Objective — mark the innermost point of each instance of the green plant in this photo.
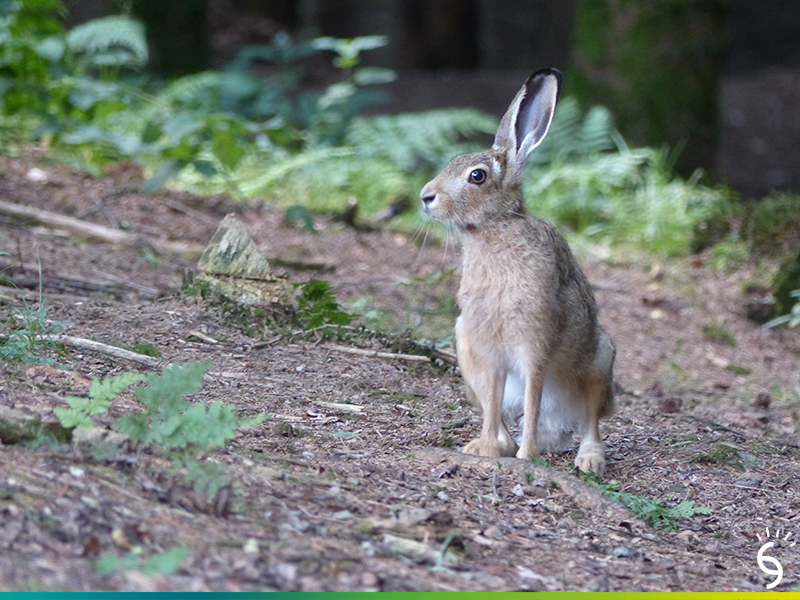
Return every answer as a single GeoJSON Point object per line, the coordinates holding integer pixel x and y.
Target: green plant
{"type": "Point", "coordinates": [30, 332]}
{"type": "Point", "coordinates": [147, 349]}
{"type": "Point", "coordinates": [653, 511]}
{"type": "Point", "coordinates": [718, 333]}
{"type": "Point", "coordinates": [101, 393]}
{"type": "Point", "coordinates": [169, 423]}
{"type": "Point", "coordinates": [792, 319]}
{"type": "Point", "coordinates": [317, 305]}
{"type": "Point", "coordinates": [728, 256]}
{"type": "Point", "coordinates": [164, 563]}
{"type": "Point", "coordinates": [720, 454]}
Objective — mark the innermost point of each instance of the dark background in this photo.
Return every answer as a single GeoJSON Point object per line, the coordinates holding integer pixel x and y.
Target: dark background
{"type": "Point", "coordinates": [716, 80]}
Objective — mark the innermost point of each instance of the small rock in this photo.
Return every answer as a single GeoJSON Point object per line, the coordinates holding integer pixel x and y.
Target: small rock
{"type": "Point", "coordinates": [518, 490]}
{"type": "Point", "coordinates": [443, 497]}
{"type": "Point", "coordinates": [419, 552]}
{"type": "Point", "coordinates": [370, 580]}
{"type": "Point", "coordinates": [36, 175]}
{"type": "Point", "coordinates": [251, 547]}
{"type": "Point", "coordinates": [442, 518]}
{"type": "Point", "coordinates": [552, 507]}
{"type": "Point", "coordinates": [413, 515]}
{"type": "Point", "coordinates": [622, 552]}
{"type": "Point", "coordinates": [286, 571]}
{"type": "Point", "coordinates": [670, 405]}
{"type": "Point", "coordinates": [763, 400]}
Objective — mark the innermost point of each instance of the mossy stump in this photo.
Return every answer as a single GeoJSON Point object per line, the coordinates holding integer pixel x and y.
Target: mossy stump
{"type": "Point", "coordinates": [234, 267]}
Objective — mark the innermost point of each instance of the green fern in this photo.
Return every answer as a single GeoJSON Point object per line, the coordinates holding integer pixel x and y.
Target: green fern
{"type": "Point", "coordinates": [651, 510]}
{"type": "Point", "coordinates": [573, 137]}
{"type": "Point", "coordinates": [317, 305]}
{"type": "Point", "coordinates": [113, 41]}
{"type": "Point", "coordinates": [191, 90]}
{"type": "Point", "coordinates": [102, 392]}
{"type": "Point", "coordinates": [429, 139]}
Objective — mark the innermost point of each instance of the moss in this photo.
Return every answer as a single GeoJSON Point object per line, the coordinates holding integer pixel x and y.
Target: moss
{"type": "Point", "coordinates": [657, 64]}
{"type": "Point", "coordinates": [773, 224]}
{"type": "Point", "coordinates": [147, 349]}
{"type": "Point", "coordinates": [718, 333]}
{"type": "Point", "coordinates": [720, 454]}
{"type": "Point", "coordinates": [728, 256]}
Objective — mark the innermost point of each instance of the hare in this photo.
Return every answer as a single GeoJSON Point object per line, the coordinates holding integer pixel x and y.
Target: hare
{"type": "Point", "coordinates": [528, 341]}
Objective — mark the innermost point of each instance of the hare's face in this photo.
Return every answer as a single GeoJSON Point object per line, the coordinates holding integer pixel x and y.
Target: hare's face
{"type": "Point", "coordinates": [475, 189]}
{"type": "Point", "coordinates": [471, 190]}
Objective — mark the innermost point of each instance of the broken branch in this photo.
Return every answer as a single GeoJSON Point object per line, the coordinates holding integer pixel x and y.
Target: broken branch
{"type": "Point", "coordinates": [376, 354]}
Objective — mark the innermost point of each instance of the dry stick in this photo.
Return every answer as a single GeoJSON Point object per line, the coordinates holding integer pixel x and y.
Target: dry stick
{"type": "Point", "coordinates": [63, 281]}
{"type": "Point", "coordinates": [348, 408]}
{"type": "Point", "coordinates": [376, 354]}
{"type": "Point", "coordinates": [105, 349]}
{"type": "Point", "coordinates": [92, 231]}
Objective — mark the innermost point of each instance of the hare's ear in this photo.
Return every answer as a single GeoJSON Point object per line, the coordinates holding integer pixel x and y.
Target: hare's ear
{"type": "Point", "coordinates": [527, 120]}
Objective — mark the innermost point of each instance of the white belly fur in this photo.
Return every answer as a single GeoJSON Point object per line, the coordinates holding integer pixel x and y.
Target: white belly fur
{"type": "Point", "coordinates": [559, 415]}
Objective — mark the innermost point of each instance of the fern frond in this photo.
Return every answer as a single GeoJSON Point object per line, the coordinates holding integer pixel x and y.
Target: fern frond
{"type": "Point", "coordinates": [431, 138]}
{"type": "Point", "coordinates": [573, 136]}
{"type": "Point", "coordinates": [110, 41]}
{"type": "Point", "coordinates": [191, 89]}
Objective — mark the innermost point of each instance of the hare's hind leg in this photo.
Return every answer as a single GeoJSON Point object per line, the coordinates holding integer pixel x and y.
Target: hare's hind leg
{"type": "Point", "coordinates": [485, 384]}
{"type": "Point", "coordinates": [599, 401]}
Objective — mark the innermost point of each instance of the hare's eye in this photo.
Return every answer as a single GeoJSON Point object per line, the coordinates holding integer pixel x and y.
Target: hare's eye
{"type": "Point", "coordinates": [478, 176]}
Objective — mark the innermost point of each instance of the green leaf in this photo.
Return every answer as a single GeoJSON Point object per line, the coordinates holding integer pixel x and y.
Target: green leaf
{"type": "Point", "coordinates": [134, 425]}
{"type": "Point", "coordinates": [226, 149]}
{"type": "Point", "coordinates": [205, 167]}
{"type": "Point", "coordinates": [166, 563]}
{"type": "Point", "coordinates": [152, 133]}
{"type": "Point", "coordinates": [299, 214]}
{"type": "Point", "coordinates": [317, 306]}
{"type": "Point", "coordinates": [71, 418]}
{"type": "Point", "coordinates": [107, 564]}
{"type": "Point", "coordinates": [164, 173]}
{"type": "Point", "coordinates": [374, 76]}
{"type": "Point", "coordinates": [115, 39]}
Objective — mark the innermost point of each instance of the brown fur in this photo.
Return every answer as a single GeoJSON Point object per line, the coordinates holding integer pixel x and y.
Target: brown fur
{"type": "Point", "coordinates": [526, 306]}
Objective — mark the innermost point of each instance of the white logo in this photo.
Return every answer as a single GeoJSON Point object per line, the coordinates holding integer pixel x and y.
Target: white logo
{"type": "Point", "coordinates": [777, 571]}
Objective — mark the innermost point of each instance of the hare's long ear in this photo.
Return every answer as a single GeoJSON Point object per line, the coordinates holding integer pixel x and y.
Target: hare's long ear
{"type": "Point", "coordinates": [527, 120]}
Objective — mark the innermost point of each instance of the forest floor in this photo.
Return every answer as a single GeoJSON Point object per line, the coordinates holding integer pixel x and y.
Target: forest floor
{"type": "Point", "coordinates": [376, 495]}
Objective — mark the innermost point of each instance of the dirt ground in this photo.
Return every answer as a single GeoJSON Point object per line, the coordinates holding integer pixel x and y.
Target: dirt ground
{"type": "Point", "coordinates": [377, 496]}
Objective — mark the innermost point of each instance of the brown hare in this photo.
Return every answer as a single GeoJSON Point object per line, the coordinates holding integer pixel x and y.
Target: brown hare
{"type": "Point", "coordinates": [528, 341]}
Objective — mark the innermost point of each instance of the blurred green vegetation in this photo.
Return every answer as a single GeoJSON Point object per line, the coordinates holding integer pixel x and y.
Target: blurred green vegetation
{"type": "Point", "coordinates": [84, 96]}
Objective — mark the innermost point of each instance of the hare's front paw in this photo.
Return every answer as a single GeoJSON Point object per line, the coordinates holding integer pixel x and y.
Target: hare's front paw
{"type": "Point", "coordinates": [480, 447]}
{"type": "Point", "coordinates": [591, 460]}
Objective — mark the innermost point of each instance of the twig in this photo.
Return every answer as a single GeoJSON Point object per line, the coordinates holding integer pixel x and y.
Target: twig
{"type": "Point", "coordinates": [456, 424]}
{"type": "Point", "coordinates": [19, 276]}
{"type": "Point", "coordinates": [348, 408]}
{"type": "Point", "coordinates": [203, 337]}
{"type": "Point", "coordinates": [190, 212]}
{"type": "Point", "coordinates": [105, 349]}
{"type": "Point", "coordinates": [376, 354]}
{"type": "Point", "coordinates": [92, 231]}
{"type": "Point", "coordinates": [80, 285]}
{"type": "Point", "coordinates": [446, 356]}
{"type": "Point", "coordinates": [264, 344]}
